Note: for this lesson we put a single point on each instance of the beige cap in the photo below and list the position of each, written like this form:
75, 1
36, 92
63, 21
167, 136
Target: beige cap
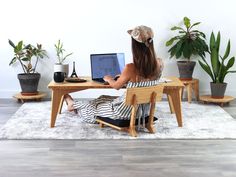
142, 34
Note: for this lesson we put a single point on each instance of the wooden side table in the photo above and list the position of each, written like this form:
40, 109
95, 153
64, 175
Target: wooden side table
22, 98
221, 101
191, 85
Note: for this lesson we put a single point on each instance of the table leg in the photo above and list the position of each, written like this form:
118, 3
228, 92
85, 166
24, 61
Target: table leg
61, 104
182, 93
189, 91
172, 110
56, 99
176, 100
196, 90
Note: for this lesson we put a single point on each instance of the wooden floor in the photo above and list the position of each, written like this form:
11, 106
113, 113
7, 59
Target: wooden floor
105, 158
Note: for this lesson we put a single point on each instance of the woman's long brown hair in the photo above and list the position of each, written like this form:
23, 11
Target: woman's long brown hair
144, 59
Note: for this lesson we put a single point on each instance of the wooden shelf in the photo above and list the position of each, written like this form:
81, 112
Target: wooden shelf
22, 98
221, 101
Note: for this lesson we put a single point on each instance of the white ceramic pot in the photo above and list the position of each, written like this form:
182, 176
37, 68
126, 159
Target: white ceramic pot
61, 68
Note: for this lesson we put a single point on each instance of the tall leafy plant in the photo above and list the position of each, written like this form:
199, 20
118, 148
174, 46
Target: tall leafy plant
188, 42
219, 66
25, 54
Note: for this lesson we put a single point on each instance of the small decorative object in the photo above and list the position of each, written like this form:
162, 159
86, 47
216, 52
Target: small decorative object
25, 54
59, 76
60, 66
188, 42
219, 67
73, 75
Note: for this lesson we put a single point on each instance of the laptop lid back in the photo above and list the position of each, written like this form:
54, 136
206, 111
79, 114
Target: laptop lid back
106, 64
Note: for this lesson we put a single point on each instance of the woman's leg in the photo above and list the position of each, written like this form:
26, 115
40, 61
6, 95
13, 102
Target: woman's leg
70, 102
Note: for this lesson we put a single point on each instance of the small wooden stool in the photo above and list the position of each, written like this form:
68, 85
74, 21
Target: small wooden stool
191, 85
22, 98
220, 101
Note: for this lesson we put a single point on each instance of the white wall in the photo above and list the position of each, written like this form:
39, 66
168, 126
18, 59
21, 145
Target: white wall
98, 26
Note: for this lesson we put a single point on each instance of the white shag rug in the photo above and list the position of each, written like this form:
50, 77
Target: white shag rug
32, 121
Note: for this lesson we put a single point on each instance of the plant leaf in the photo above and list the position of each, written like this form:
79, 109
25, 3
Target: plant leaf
25, 59
215, 62
218, 42
177, 28
11, 43
13, 61
212, 41
170, 42
195, 24
227, 51
207, 69
230, 63
67, 55
187, 50
187, 22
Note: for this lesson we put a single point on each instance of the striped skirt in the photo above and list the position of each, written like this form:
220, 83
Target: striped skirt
112, 106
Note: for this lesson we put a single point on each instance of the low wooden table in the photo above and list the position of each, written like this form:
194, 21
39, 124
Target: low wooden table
220, 101
22, 98
172, 89
191, 85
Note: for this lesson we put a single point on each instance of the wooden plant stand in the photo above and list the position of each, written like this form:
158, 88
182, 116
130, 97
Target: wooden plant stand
191, 85
22, 98
220, 101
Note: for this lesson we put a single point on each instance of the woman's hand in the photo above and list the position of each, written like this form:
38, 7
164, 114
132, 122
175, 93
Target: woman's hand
108, 78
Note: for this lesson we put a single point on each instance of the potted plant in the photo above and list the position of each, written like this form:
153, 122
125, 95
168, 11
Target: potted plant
24, 54
219, 66
187, 43
60, 66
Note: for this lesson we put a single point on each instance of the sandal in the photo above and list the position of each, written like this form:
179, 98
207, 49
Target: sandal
67, 95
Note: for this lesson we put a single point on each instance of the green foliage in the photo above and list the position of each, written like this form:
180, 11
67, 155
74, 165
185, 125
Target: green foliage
25, 54
60, 52
219, 66
188, 42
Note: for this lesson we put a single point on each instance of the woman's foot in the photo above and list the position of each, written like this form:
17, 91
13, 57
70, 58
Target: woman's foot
69, 102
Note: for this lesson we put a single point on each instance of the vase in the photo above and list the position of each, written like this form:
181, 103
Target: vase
62, 68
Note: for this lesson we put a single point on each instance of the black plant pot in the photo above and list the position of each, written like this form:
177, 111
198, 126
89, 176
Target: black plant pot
218, 90
186, 69
29, 83
59, 76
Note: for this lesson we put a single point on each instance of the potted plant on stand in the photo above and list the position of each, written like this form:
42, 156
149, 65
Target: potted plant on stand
187, 43
60, 66
24, 54
218, 67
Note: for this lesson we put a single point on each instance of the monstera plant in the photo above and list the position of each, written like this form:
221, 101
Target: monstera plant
218, 67
28, 57
187, 43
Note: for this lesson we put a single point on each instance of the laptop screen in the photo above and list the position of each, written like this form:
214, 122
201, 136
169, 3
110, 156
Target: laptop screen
107, 64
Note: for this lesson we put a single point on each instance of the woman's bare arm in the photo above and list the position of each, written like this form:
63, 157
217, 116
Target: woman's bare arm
122, 80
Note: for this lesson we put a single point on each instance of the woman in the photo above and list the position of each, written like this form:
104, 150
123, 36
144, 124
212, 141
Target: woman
144, 71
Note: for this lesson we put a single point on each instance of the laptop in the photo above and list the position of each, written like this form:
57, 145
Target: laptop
106, 64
